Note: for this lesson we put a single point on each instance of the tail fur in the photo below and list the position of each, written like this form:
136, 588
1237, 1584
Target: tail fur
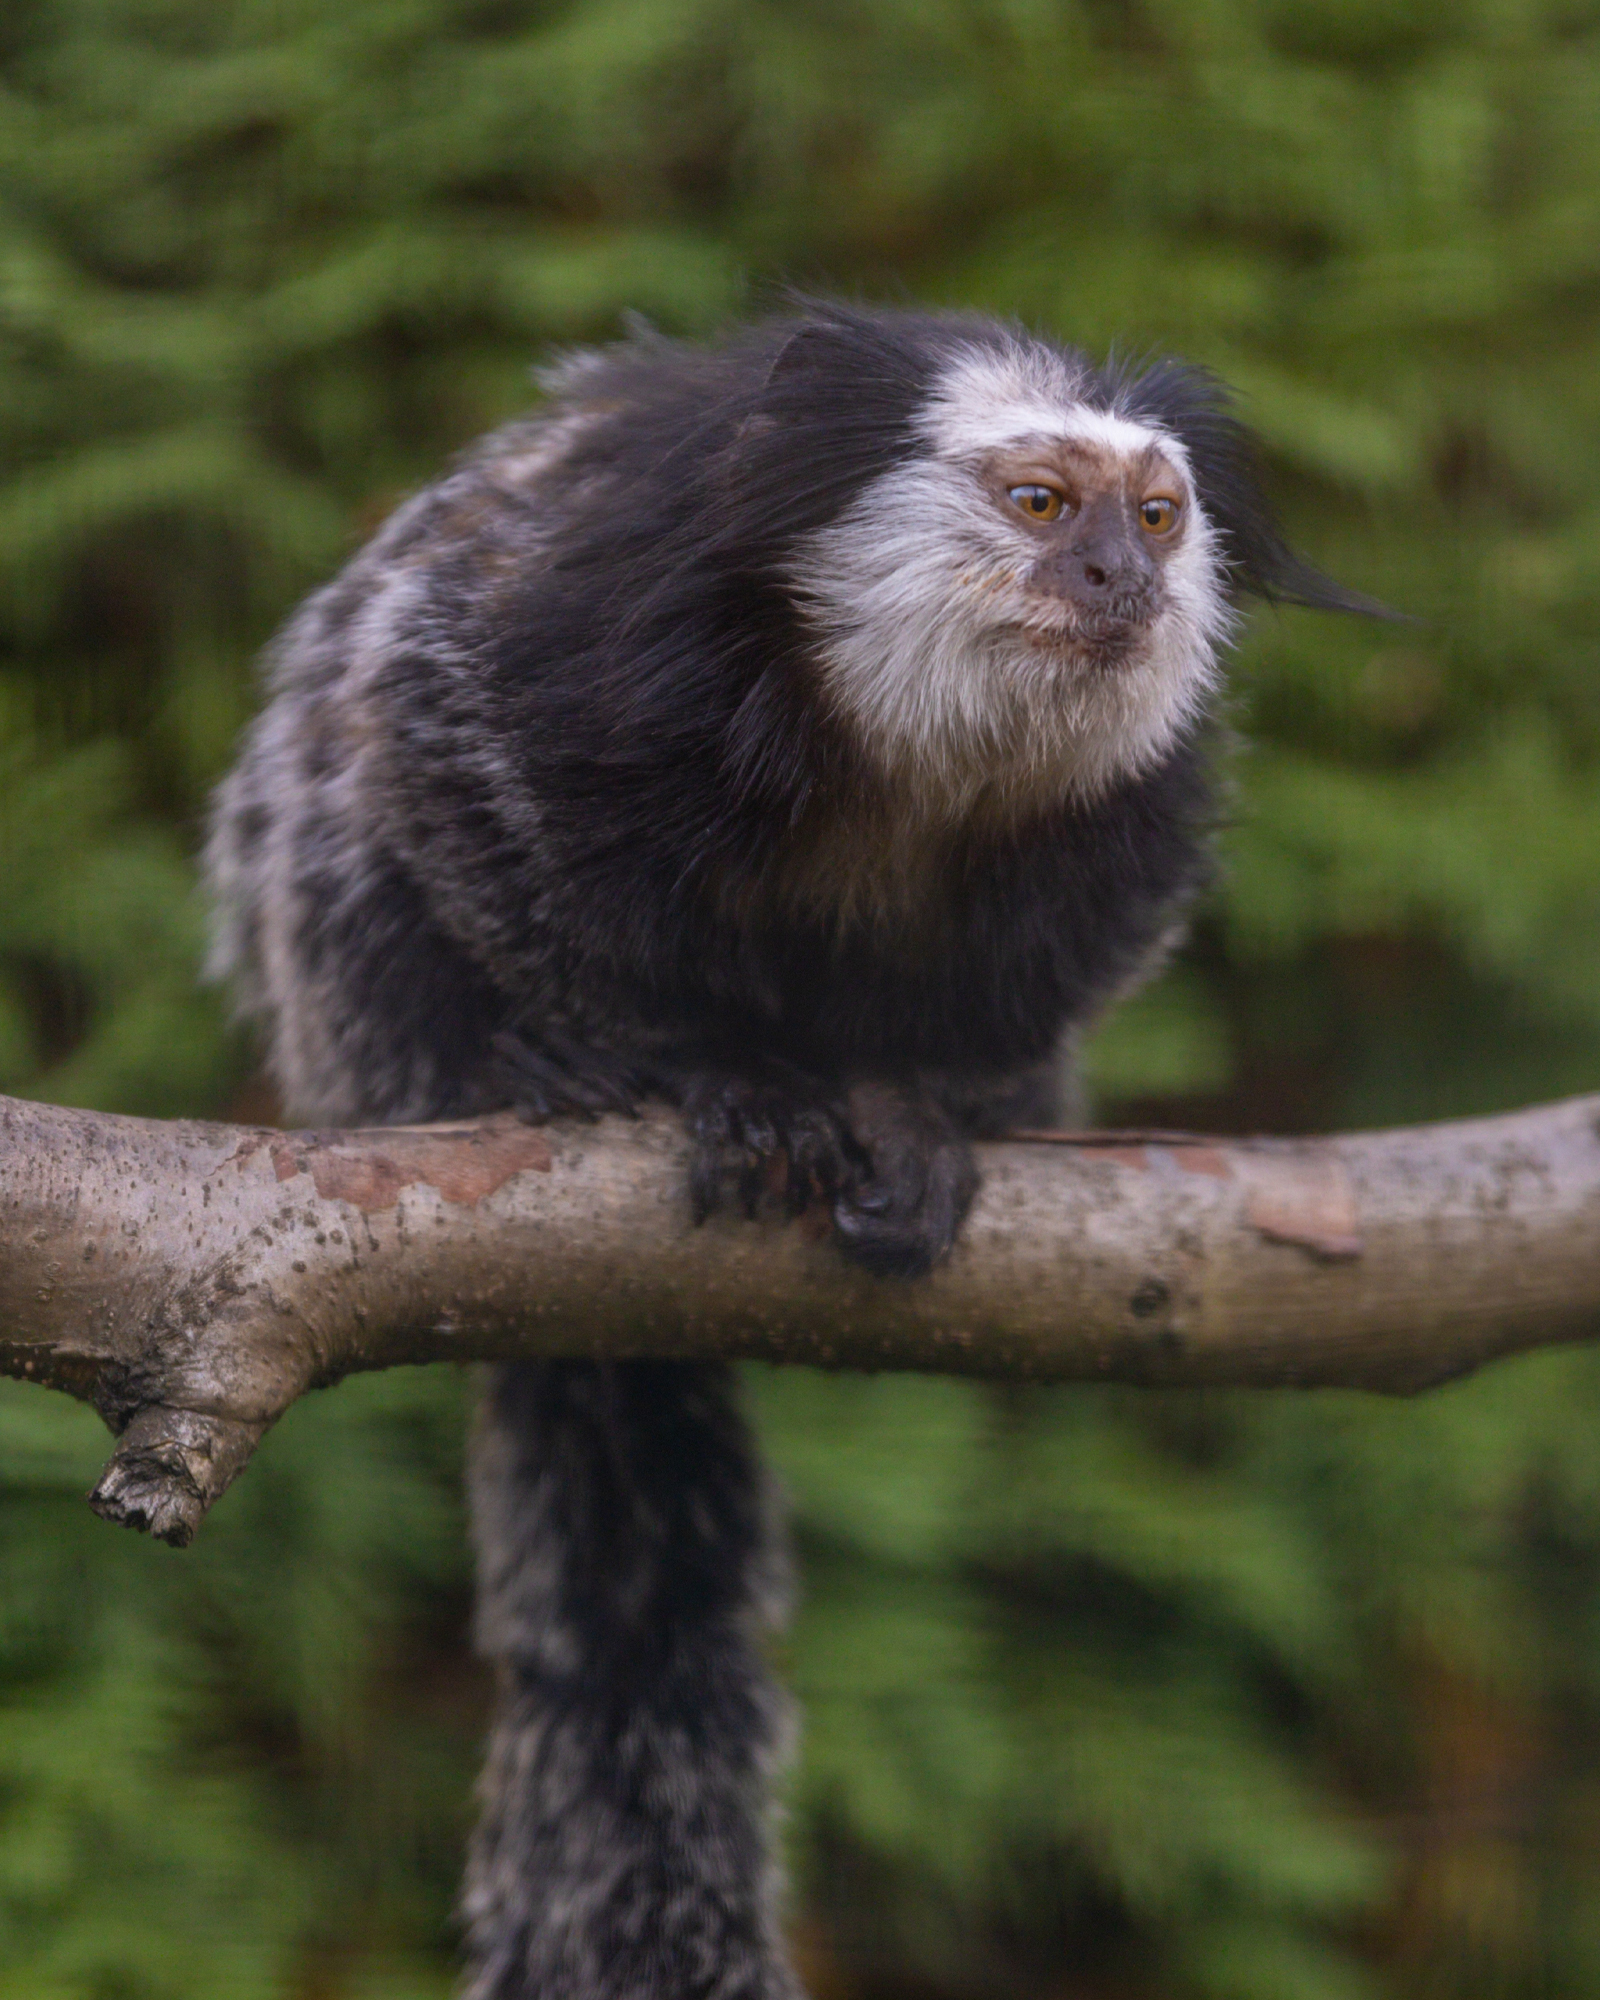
626, 1565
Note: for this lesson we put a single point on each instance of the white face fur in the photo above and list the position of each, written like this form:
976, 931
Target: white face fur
965, 678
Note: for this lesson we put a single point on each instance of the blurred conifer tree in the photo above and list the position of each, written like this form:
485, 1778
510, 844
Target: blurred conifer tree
1108, 1693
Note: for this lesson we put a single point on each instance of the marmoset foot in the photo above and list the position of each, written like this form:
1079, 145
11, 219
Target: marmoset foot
891, 1163
776, 1133
899, 1217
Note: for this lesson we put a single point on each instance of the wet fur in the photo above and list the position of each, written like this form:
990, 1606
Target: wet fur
663, 745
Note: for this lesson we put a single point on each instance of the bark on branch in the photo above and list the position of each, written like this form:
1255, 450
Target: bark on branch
192, 1280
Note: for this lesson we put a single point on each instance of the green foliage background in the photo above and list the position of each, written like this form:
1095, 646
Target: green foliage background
1108, 1694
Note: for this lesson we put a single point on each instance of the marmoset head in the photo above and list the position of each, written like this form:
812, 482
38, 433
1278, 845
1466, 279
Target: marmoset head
1026, 600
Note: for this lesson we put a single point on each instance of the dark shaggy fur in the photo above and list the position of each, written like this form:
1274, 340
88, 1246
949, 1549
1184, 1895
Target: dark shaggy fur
521, 826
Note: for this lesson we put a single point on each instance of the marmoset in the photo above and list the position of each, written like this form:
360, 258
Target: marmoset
809, 729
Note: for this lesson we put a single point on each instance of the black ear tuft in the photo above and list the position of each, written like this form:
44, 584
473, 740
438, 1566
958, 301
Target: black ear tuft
850, 364
833, 407
1197, 408
807, 351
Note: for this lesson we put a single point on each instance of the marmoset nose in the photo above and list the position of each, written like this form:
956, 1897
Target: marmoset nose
1104, 568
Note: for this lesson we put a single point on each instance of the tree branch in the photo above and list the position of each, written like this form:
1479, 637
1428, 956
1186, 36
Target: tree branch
192, 1280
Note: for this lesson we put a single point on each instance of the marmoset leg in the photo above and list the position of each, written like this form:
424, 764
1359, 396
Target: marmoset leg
626, 1565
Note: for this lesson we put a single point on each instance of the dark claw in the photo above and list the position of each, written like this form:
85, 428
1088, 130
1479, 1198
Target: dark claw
705, 1184
815, 1162
761, 1131
742, 1126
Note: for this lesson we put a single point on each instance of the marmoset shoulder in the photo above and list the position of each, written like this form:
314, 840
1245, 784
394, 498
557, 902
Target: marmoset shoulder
810, 729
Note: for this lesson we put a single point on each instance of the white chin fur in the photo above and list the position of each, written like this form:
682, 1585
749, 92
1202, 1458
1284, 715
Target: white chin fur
923, 624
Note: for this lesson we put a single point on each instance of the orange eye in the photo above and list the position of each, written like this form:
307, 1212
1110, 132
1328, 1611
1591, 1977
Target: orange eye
1158, 514
1039, 503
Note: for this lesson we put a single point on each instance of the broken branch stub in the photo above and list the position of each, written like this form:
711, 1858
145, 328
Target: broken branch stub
192, 1280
